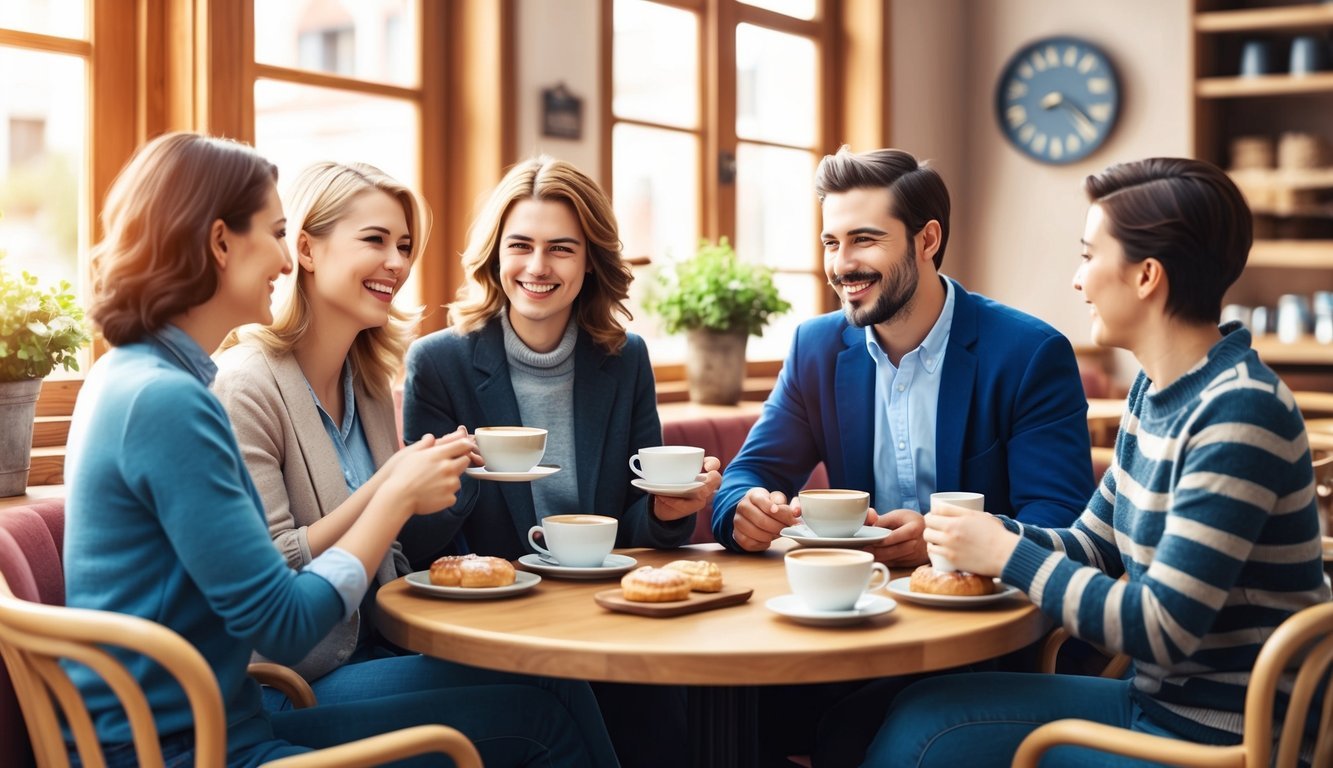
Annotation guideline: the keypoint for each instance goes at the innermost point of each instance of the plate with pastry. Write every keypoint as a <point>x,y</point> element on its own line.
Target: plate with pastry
<point>807,538</point>
<point>536,473</point>
<point>469,577</point>
<point>684,586</point>
<point>792,607</point>
<point>611,567</point>
<point>949,589</point>
<point>667,489</point>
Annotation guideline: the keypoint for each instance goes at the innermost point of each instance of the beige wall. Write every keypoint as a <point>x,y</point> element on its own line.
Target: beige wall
<point>558,41</point>
<point>1018,222</point>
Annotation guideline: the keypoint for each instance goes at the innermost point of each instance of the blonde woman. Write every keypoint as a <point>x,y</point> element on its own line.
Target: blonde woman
<point>309,397</point>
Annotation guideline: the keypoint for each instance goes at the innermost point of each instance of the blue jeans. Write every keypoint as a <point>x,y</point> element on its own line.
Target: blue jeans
<point>977,720</point>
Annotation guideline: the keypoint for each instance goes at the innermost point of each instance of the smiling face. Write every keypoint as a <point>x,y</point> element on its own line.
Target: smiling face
<point>253,261</point>
<point>1105,278</point>
<point>868,256</point>
<point>543,261</point>
<point>356,269</point>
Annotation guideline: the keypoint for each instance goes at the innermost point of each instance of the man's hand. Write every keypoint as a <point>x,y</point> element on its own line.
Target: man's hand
<point>760,518</point>
<point>904,546</point>
<point>676,507</point>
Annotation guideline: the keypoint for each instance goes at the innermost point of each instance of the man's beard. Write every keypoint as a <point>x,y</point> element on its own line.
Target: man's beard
<point>897,292</point>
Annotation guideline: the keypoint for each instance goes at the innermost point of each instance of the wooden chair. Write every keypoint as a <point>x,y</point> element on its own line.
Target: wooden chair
<point>34,638</point>
<point>1305,639</point>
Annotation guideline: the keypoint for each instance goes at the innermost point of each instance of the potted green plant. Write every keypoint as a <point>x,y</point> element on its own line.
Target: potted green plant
<point>720,301</point>
<point>40,329</point>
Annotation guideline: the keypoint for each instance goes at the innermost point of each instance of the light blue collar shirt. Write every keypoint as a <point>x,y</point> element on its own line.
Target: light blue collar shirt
<point>906,404</point>
<point>349,438</point>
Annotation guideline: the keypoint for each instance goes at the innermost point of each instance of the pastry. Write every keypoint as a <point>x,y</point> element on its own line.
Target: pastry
<point>704,576</point>
<point>447,571</point>
<point>932,582</point>
<point>487,572</point>
<point>655,585</point>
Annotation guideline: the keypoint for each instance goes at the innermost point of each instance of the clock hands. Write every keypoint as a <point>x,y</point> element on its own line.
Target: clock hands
<point>1082,122</point>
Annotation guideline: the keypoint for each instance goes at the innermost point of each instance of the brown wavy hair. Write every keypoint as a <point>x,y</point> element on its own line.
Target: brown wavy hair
<point>320,198</point>
<point>154,261</point>
<point>605,289</point>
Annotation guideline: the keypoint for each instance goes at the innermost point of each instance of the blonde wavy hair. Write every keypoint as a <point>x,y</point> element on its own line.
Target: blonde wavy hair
<point>320,198</point>
<point>605,289</point>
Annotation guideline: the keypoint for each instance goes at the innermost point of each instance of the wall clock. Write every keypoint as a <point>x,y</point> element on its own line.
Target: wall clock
<point>1057,99</point>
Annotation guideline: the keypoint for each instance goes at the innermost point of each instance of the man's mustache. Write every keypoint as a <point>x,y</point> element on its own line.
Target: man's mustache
<point>854,277</point>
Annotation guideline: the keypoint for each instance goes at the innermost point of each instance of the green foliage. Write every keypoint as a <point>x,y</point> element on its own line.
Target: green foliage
<point>716,290</point>
<point>39,329</point>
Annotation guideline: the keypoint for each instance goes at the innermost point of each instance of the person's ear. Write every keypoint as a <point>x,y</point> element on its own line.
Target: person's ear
<point>1149,278</point>
<point>928,241</point>
<point>303,254</point>
<point>217,242</point>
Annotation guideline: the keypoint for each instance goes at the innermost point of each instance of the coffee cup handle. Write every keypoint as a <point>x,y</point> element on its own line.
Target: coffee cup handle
<point>634,467</point>
<point>532,539</point>
<point>883,571</point>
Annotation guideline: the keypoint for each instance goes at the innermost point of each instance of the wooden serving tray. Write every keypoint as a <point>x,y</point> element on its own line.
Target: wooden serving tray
<point>612,600</point>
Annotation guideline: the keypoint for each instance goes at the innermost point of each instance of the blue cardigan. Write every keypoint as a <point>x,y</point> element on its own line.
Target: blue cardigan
<point>453,379</point>
<point>164,523</point>
<point>1012,417</point>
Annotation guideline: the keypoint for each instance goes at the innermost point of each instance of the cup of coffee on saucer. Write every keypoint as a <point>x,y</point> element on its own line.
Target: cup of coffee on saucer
<point>833,579</point>
<point>510,449</point>
<point>964,499</point>
<point>834,513</point>
<point>668,464</point>
<point>575,541</point>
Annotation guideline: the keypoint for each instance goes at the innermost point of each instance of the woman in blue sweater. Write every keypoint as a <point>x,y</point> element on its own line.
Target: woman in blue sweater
<point>1208,510</point>
<point>164,521</point>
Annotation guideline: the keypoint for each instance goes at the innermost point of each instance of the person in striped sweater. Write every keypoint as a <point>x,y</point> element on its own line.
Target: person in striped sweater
<point>1208,512</point>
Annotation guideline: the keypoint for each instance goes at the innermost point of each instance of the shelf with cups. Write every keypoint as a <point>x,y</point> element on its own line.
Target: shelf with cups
<point>1287,18</point>
<point>1292,254</point>
<point>1303,351</point>
<point>1263,85</point>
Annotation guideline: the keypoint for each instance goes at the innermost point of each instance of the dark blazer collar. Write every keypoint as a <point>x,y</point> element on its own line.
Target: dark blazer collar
<point>594,396</point>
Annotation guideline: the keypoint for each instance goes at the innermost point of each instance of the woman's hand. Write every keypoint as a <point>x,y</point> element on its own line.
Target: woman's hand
<point>675,507</point>
<point>426,476</point>
<point>976,542</point>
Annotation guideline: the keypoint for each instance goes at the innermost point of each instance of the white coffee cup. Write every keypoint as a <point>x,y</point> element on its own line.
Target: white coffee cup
<point>510,449</point>
<point>576,541</point>
<point>964,499</point>
<point>668,464</point>
<point>834,512</point>
<point>833,579</point>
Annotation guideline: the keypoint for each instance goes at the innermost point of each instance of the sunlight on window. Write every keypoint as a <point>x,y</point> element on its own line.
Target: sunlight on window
<point>798,9</point>
<point>656,64</point>
<point>775,86</point>
<point>61,18</point>
<point>370,39</point>
<point>296,125</point>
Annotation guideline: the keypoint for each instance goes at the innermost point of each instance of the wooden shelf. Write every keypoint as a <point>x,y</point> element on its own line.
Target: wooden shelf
<point>1307,351</point>
<point>1294,17</point>
<point>1264,85</point>
<point>1294,254</point>
<point>1284,178</point>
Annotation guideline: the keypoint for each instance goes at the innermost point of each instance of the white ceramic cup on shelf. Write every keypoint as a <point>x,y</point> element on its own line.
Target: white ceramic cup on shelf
<point>964,499</point>
<point>833,579</point>
<point>510,449</point>
<point>668,464</point>
<point>834,513</point>
<point>576,541</point>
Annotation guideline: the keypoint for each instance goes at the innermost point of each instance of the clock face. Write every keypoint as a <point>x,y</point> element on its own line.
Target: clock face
<point>1057,99</point>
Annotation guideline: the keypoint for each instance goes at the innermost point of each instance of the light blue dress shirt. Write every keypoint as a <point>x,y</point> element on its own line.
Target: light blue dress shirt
<point>348,438</point>
<point>906,403</point>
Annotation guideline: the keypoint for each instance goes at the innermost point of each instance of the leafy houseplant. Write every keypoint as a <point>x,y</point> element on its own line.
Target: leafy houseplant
<point>720,301</point>
<point>39,330</point>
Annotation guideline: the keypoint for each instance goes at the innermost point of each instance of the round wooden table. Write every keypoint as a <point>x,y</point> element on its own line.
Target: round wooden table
<point>557,630</point>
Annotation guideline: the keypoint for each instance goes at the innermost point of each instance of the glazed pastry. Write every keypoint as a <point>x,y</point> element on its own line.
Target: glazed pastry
<point>447,571</point>
<point>655,585</point>
<point>704,576</point>
<point>487,572</point>
<point>932,582</point>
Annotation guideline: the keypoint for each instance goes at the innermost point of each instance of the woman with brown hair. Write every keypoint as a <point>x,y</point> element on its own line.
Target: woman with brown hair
<point>163,519</point>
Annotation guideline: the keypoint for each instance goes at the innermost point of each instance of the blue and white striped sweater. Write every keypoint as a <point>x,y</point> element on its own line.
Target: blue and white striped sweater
<point>1209,508</point>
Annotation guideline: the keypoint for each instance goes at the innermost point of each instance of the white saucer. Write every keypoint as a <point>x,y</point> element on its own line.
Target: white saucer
<point>793,608</point>
<point>536,473</point>
<point>666,489</point>
<point>613,566</point>
<point>901,588</point>
<point>806,537</point>
<point>523,581</point>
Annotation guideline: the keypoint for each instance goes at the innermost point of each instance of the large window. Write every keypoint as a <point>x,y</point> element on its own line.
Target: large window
<point>718,118</point>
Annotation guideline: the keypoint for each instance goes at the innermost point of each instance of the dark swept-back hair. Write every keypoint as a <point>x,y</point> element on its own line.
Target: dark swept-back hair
<point>154,261</point>
<point>601,300</point>
<point>916,192</point>
<point>1189,216</point>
